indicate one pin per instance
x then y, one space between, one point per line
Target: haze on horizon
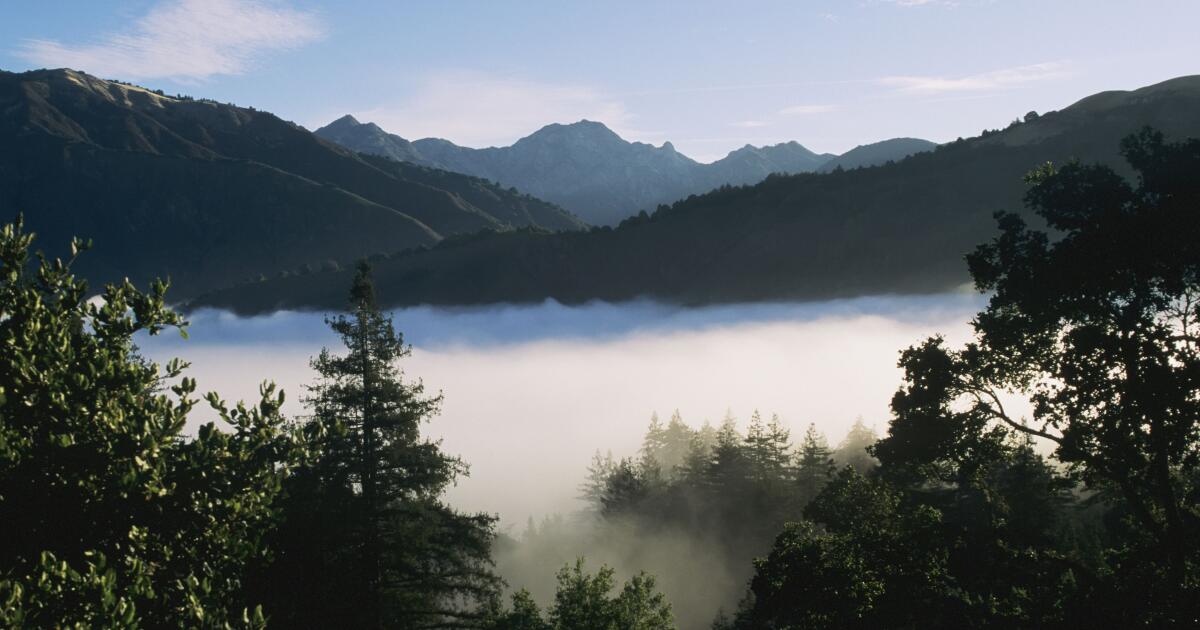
830 75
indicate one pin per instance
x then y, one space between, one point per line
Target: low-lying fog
531 392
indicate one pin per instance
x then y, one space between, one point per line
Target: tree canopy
113 517
965 523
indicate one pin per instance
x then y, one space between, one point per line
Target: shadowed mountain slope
210 193
878 153
900 227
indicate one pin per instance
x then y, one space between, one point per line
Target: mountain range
210 194
593 172
899 227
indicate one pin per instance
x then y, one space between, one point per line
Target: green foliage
524 614
814 464
584 601
368 541
964 524
115 518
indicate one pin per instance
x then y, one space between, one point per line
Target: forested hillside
878 153
898 228
211 194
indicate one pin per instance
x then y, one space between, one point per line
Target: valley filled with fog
532 392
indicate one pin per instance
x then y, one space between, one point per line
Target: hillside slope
877 153
211 194
901 227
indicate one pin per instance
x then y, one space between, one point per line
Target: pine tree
768 447
814 464
653 443
598 472
757 446
730 464
706 435
778 453
413 560
853 450
626 487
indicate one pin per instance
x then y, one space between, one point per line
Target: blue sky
708 76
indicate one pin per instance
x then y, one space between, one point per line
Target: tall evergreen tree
676 443
814 464
853 450
777 457
414 561
653 443
598 472
729 466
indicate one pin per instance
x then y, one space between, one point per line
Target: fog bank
533 391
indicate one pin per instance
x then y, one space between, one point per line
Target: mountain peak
584 123
345 121
582 127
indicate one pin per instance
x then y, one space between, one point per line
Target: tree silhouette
395 553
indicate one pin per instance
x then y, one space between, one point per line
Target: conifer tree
598 472
415 561
778 452
676 443
729 465
814 464
653 443
757 446
853 451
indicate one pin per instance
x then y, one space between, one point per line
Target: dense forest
1084 513
693 501
896 228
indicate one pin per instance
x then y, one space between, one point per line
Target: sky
707 76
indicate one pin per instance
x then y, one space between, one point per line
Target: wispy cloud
185 40
477 110
805 110
1007 78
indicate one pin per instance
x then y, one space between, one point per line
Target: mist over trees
964 523
693 501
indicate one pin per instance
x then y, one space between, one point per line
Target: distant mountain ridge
900 227
590 170
877 153
210 193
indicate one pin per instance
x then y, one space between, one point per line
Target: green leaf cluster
113 517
